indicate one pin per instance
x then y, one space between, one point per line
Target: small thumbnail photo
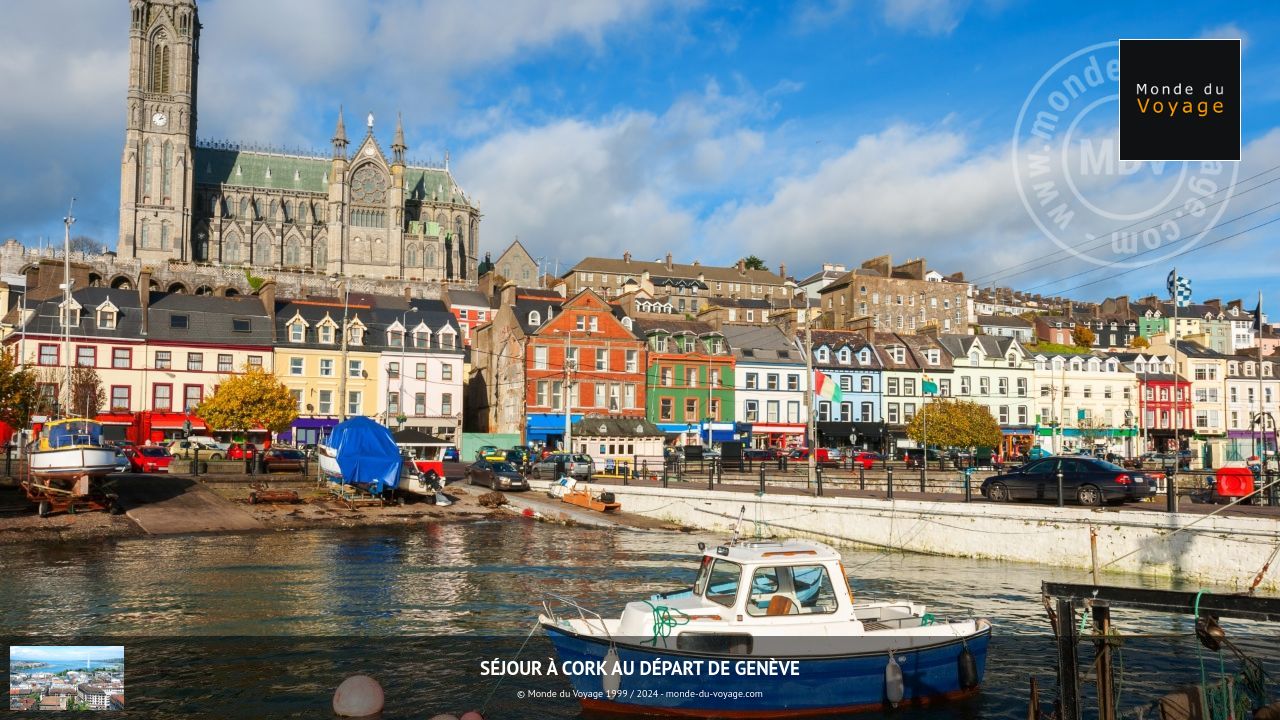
66 677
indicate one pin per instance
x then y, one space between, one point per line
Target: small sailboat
72 449
769 629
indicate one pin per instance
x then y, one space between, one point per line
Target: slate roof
913 358
466 298
654 324
547 303
748 303
375 319
1011 321
1196 350
209 319
296 173
765 344
992 346
837 339
44 319
614 426
678 270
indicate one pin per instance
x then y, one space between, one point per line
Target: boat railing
552 602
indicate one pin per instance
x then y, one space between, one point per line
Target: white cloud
932 17
1227 31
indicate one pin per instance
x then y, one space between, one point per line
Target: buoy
893 682
472 715
527 512
611 680
968 669
358 696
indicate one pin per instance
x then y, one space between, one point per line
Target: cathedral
356 212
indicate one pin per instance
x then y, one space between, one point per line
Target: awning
409 436
552 423
777 429
314 423
115 418
678 428
1019 430
176 421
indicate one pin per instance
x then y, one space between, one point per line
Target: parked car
1086 480
450 454
187 449
518 456
578 466
281 459
241 451
913 456
208 443
122 461
866 459
496 475
1038 453
760 454
149 459
491 452
825 457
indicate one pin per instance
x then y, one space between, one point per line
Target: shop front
777 435
861 435
308 431
546 428
1016 441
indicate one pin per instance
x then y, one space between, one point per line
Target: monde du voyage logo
1180 100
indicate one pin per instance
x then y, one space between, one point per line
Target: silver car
578 466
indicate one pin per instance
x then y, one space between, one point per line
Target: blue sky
801 132
66 653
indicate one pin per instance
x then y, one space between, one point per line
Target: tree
87 245
87 395
19 390
1139 342
252 399
955 423
751 262
1082 336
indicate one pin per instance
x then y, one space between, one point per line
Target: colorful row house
690 381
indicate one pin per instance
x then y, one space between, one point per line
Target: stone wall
112 271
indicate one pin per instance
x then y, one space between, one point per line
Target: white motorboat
72 449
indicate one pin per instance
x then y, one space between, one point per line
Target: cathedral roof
260 170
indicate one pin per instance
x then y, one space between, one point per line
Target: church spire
340 137
397 145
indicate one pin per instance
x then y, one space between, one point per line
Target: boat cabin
70 433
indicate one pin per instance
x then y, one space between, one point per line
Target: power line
1008 271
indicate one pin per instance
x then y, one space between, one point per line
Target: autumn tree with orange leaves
249 400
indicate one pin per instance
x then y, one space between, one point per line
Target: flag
1179 288
827 388
928 387
1257 317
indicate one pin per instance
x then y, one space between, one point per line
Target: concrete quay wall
1226 551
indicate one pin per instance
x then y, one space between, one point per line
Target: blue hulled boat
768 630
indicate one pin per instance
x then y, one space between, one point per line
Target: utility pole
808 396
565 393
344 370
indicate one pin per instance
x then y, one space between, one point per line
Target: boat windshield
791 590
75 432
718 581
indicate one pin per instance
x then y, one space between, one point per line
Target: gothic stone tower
156 171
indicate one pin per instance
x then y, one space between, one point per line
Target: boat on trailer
769 629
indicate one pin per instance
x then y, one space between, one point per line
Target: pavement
172 505
557 511
840 487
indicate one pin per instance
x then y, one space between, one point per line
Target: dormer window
535 319
823 355
326 333
975 357
626 323
864 357
106 319
932 357
421 338
297 332
395 337
355 336
898 353
845 356
448 339
179 322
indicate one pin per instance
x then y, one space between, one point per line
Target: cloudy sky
821 130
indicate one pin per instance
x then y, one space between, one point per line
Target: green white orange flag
928 386
827 388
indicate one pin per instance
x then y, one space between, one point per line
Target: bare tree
87 245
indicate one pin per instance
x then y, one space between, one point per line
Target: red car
866 459
240 451
148 459
825 457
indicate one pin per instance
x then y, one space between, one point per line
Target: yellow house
308 360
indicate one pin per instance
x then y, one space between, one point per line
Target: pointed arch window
411 255
262 251
293 253
164 235
143 240
159 79
231 249
430 256
321 253
166 171
244 208
148 157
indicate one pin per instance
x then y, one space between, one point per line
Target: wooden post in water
1068 677
1106 682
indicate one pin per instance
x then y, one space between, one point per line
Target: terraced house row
164 353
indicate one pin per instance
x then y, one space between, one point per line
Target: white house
769 384
421 355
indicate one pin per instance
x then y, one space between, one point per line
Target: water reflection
280 618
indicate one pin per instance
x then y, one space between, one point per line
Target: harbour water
266 625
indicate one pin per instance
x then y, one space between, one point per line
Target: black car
760 454
496 475
1086 480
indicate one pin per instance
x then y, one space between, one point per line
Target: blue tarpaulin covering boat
362 452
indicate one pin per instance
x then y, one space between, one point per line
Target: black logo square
1179 100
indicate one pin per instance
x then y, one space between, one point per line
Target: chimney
782 270
882 265
267 294
669 265
508 294
408 292
626 257
742 267
144 298
913 269
1215 303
